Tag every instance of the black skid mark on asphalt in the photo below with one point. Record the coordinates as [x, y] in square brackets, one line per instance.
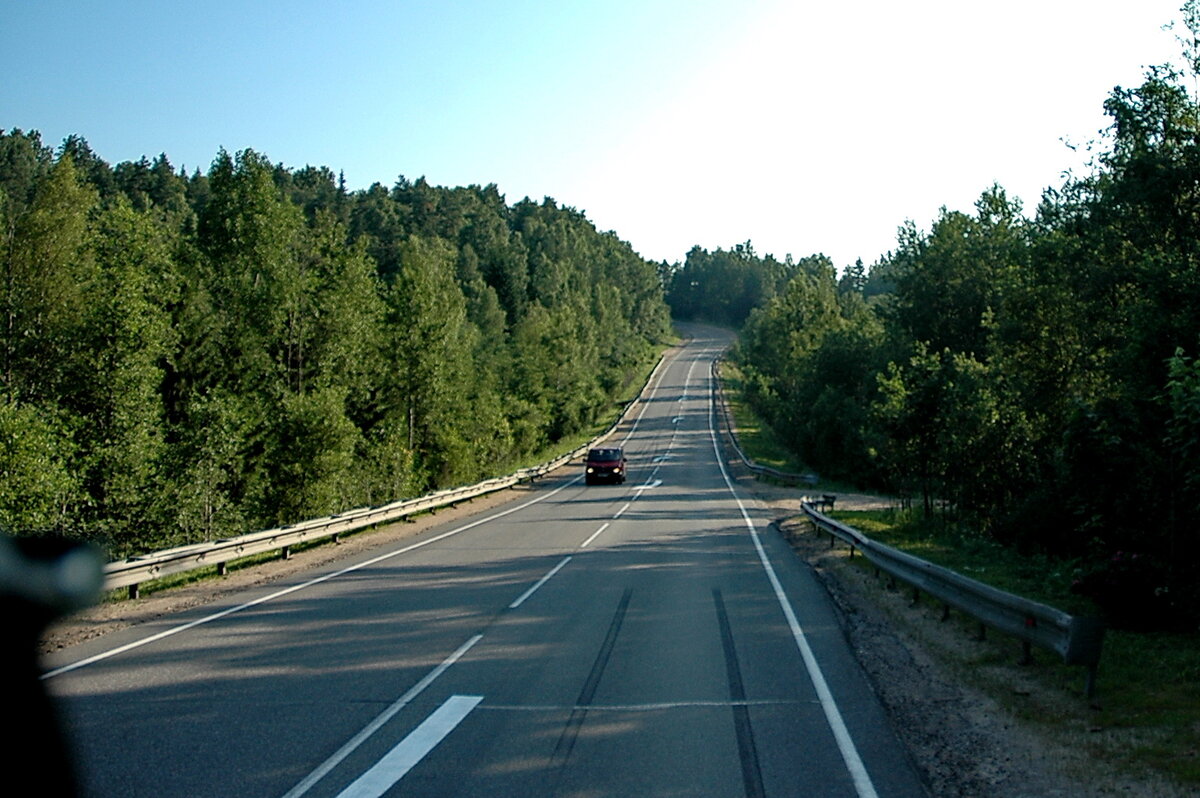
[570, 733]
[747, 752]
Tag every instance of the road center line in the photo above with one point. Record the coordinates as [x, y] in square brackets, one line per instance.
[622, 510]
[858, 771]
[412, 749]
[653, 393]
[379, 721]
[595, 535]
[540, 582]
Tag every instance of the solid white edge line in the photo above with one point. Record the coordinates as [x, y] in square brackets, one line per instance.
[858, 771]
[412, 749]
[539, 583]
[354, 742]
[310, 583]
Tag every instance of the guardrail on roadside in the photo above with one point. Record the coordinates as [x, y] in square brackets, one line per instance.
[1077, 640]
[759, 471]
[132, 572]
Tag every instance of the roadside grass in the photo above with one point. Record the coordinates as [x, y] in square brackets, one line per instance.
[941, 542]
[1145, 718]
[761, 442]
[757, 439]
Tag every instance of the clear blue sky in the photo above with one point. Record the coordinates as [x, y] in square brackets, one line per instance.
[801, 126]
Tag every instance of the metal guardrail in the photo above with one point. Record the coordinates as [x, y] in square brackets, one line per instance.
[759, 471]
[133, 571]
[1077, 640]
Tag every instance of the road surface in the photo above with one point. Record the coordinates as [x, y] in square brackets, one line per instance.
[650, 638]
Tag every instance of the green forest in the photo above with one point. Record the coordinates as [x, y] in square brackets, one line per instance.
[1034, 377]
[185, 357]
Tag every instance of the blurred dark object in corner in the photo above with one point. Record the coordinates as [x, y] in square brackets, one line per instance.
[40, 580]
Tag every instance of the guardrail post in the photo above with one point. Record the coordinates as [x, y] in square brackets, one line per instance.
[1083, 648]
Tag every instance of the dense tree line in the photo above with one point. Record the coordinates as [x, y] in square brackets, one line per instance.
[1036, 376]
[726, 285]
[184, 357]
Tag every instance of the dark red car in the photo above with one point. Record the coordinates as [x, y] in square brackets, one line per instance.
[604, 465]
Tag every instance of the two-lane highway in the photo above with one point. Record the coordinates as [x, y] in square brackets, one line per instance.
[650, 638]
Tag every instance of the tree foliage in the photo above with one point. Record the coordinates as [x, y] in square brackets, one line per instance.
[1036, 377]
[726, 285]
[189, 356]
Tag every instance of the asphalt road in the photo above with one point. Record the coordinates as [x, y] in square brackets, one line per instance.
[650, 638]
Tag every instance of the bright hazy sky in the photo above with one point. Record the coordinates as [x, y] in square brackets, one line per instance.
[801, 126]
